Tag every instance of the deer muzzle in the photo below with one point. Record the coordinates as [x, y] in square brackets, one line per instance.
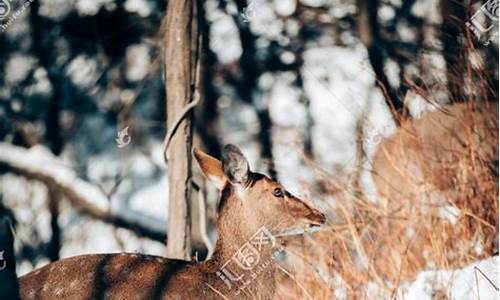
[316, 218]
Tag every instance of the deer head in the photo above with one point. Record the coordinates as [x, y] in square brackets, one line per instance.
[251, 200]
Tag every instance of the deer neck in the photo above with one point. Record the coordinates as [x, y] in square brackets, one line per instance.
[245, 249]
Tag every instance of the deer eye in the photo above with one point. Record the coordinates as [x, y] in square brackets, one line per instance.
[278, 192]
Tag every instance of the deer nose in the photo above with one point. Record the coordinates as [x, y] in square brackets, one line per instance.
[316, 218]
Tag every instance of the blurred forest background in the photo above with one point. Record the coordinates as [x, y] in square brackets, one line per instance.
[307, 89]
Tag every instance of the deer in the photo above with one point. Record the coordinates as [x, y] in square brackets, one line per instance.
[423, 156]
[255, 212]
[438, 175]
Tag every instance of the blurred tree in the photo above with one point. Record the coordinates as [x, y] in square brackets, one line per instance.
[42, 49]
[454, 50]
[369, 34]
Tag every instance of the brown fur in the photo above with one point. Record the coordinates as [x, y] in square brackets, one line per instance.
[429, 151]
[243, 210]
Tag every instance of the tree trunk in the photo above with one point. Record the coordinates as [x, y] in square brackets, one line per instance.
[53, 136]
[181, 59]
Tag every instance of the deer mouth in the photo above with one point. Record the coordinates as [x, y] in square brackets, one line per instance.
[313, 223]
[294, 231]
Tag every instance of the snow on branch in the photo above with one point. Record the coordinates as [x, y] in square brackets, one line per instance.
[40, 164]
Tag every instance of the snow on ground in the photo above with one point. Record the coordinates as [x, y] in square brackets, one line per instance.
[466, 283]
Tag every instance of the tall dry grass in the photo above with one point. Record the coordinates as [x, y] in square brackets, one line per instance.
[437, 208]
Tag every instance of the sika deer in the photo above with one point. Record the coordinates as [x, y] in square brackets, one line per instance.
[437, 178]
[442, 151]
[253, 208]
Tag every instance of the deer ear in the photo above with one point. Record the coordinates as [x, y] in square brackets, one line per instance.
[211, 168]
[235, 165]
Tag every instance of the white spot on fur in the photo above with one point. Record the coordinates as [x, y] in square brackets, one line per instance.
[31, 294]
[117, 266]
[109, 294]
[73, 284]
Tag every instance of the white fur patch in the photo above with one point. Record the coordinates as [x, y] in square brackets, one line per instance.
[73, 284]
[241, 192]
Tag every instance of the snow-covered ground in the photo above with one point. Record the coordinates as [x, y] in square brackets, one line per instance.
[478, 280]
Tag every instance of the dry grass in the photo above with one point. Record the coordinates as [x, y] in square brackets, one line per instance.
[369, 249]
